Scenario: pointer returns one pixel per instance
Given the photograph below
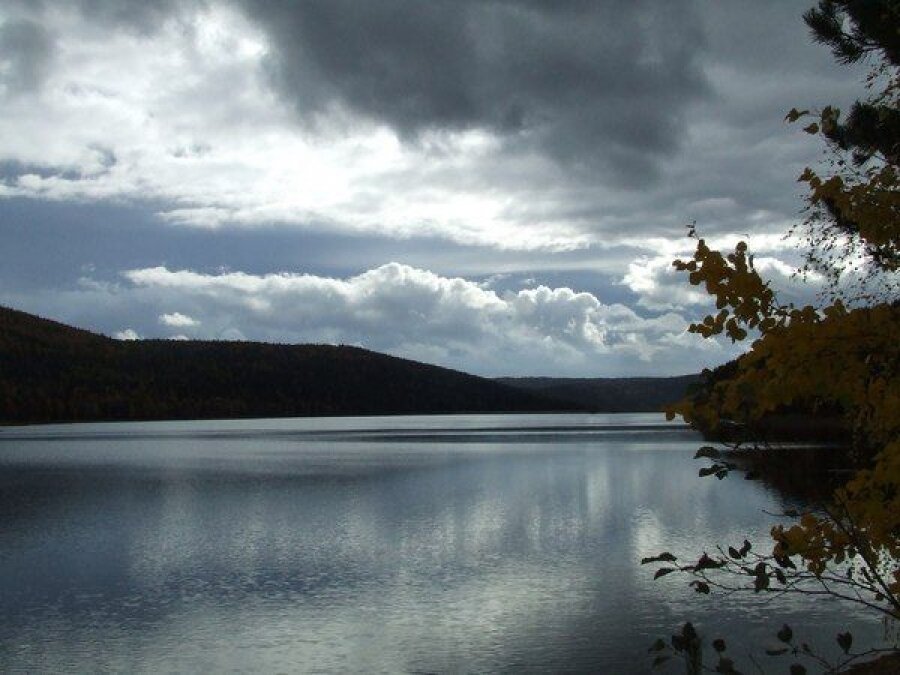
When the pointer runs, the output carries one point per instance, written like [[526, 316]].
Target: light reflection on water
[[419, 544]]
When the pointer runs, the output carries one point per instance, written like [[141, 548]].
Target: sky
[[496, 186]]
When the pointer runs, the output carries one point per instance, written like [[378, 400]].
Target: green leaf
[[794, 115], [663, 571], [657, 646], [707, 451], [785, 634], [688, 631], [701, 587], [734, 553], [707, 563], [786, 562], [845, 640]]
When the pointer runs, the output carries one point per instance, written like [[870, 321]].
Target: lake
[[467, 543]]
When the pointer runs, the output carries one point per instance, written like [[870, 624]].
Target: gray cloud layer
[[418, 314], [575, 100], [26, 49], [604, 84], [561, 140]]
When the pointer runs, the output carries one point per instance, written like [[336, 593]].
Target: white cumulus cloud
[[659, 286], [127, 334], [454, 322], [178, 320]]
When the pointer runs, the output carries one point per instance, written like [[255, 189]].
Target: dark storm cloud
[[26, 50], [596, 83]]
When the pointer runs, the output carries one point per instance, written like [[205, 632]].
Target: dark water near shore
[[406, 544]]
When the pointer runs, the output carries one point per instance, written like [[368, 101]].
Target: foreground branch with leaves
[[842, 357], [688, 646]]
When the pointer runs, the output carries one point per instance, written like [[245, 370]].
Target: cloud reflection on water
[[347, 555]]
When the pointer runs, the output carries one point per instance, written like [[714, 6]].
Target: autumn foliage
[[842, 356]]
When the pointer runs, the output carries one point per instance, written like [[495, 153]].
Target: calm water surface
[[472, 543]]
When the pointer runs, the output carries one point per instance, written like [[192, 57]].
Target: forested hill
[[614, 394], [50, 371]]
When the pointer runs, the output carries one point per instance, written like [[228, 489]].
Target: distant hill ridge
[[610, 394], [53, 372]]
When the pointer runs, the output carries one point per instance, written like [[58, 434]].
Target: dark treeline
[[806, 419], [53, 372], [610, 394]]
